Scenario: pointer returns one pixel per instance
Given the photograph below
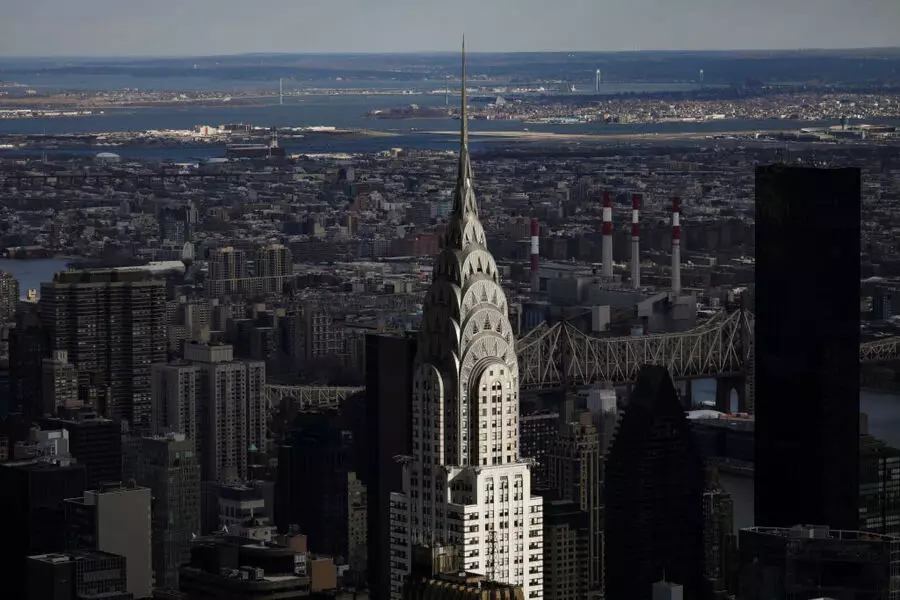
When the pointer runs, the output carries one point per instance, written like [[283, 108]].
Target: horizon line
[[9, 57]]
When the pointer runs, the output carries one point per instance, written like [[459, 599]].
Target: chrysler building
[[465, 485]]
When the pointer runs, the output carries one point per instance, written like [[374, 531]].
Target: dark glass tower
[[95, 442], [32, 501], [312, 481], [388, 412], [654, 484], [807, 347]]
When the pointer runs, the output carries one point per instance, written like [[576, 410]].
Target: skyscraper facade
[[9, 297], [170, 468], [59, 384], [111, 323], [654, 484], [575, 467], [174, 391], [217, 402], [32, 502], [385, 433], [115, 519], [29, 345], [94, 442], [807, 347], [312, 483], [465, 484]]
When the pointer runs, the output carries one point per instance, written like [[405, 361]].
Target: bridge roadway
[[550, 356]]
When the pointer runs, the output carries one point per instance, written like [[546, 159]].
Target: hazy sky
[[198, 27]]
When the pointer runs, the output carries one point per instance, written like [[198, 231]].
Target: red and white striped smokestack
[[635, 242], [535, 248], [676, 247], [607, 235]]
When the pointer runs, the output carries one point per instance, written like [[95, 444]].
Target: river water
[[882, 409]]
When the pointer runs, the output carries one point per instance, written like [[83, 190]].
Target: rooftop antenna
[[463, 115]]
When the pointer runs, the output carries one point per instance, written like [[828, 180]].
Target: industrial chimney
[[607, 236], [535, 235], [676, 248], [635, 242]]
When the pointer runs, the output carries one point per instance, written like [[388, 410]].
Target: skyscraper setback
[[465, 484], [807, 347]]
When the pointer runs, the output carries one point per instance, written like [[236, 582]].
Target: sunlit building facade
[[465, 484]]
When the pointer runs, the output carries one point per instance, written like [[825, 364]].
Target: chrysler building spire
[[463, 227], [464, 196], [465, 484]]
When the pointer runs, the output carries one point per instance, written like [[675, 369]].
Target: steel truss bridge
[[308, 396], [553, 356]]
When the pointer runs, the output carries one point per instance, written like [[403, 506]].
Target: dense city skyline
[[261, 348], [106, 28]]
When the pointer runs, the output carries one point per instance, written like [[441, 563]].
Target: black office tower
[[654, 484], [312, 482], [29, 345], [389, 378], [807, 347], [95, 442], [31, 501]]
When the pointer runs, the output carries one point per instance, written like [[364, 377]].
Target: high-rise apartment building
[[465, 484], [112, 323], [170, 468], [59, 384], [274, 260], [115, 519], [232, 271], [653, 486], [807, 374], [312, 486], [231, 410], [228, 263], [219, 400], [9, 297], [575, 475], [174, 392]]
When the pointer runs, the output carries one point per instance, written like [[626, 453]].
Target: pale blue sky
[[198, 27]]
